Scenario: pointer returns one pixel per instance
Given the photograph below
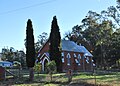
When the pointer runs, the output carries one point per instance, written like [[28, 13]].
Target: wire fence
[[101, 77]]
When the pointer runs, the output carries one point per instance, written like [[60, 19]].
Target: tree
[[30, 49], [118, 1], [51, 68], [9, 54], [55, 39], [96, 31], [42, 38], [38, 68], [77, 36]]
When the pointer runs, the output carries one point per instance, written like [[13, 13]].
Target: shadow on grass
[[25, 81], [58, 80]]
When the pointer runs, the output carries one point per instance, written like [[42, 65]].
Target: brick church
[[74, 57]]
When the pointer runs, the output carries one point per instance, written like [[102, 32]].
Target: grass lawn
[[79, 79], [112, 79]]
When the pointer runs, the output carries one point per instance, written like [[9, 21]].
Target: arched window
[[62, 60], [68, 59], [62, 54], [87, 59], [79, 57]]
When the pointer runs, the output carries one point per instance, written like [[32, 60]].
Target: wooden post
[[94, 75], [69, 74]]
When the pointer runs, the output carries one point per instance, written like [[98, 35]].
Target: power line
[[23, 8]]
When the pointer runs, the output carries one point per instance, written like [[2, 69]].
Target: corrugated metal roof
[[68, 45], [86, 52]]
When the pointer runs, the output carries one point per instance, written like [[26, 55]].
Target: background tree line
[[100, 34], [11, 54]]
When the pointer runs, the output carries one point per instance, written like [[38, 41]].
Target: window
[[92, 60], [79, 57], [68, 59], [76, 61], [75, 55], [94, 65], [62, 54], [62, 60], [87, 59]]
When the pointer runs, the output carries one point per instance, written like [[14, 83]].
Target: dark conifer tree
[[55, 39], [30, 49]]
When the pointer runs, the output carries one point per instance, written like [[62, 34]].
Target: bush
[[51, 68]]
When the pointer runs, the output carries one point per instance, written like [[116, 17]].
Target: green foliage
[[10, 54], [30, 49], [100, 33], [51, 67], [42, 38], [16, 64], [37, 67]]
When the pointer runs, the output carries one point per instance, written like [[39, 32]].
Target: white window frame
[[74, 55], [62, 54], [63, 60], [68, 59], [79, 58]]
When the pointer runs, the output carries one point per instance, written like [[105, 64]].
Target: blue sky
[[15, 13]]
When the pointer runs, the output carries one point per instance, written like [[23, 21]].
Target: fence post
[[94, 72], [69, 74]]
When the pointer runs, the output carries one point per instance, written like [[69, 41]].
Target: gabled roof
[[86, 52], [68, 45]]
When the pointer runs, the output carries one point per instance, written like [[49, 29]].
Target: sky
[[15, 13]]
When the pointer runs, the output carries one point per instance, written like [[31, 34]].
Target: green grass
[[112, 79]]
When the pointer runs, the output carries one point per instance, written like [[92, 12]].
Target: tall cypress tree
[[55, 39], [30, 49]]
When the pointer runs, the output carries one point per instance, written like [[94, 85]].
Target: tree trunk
[[31, 74]]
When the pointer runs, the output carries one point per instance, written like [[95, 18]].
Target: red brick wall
[[75, 67], [88, 66], [45, 48]]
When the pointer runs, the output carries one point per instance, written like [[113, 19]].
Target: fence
[[110, 78]]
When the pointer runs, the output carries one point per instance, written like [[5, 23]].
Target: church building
[[74, 57]]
